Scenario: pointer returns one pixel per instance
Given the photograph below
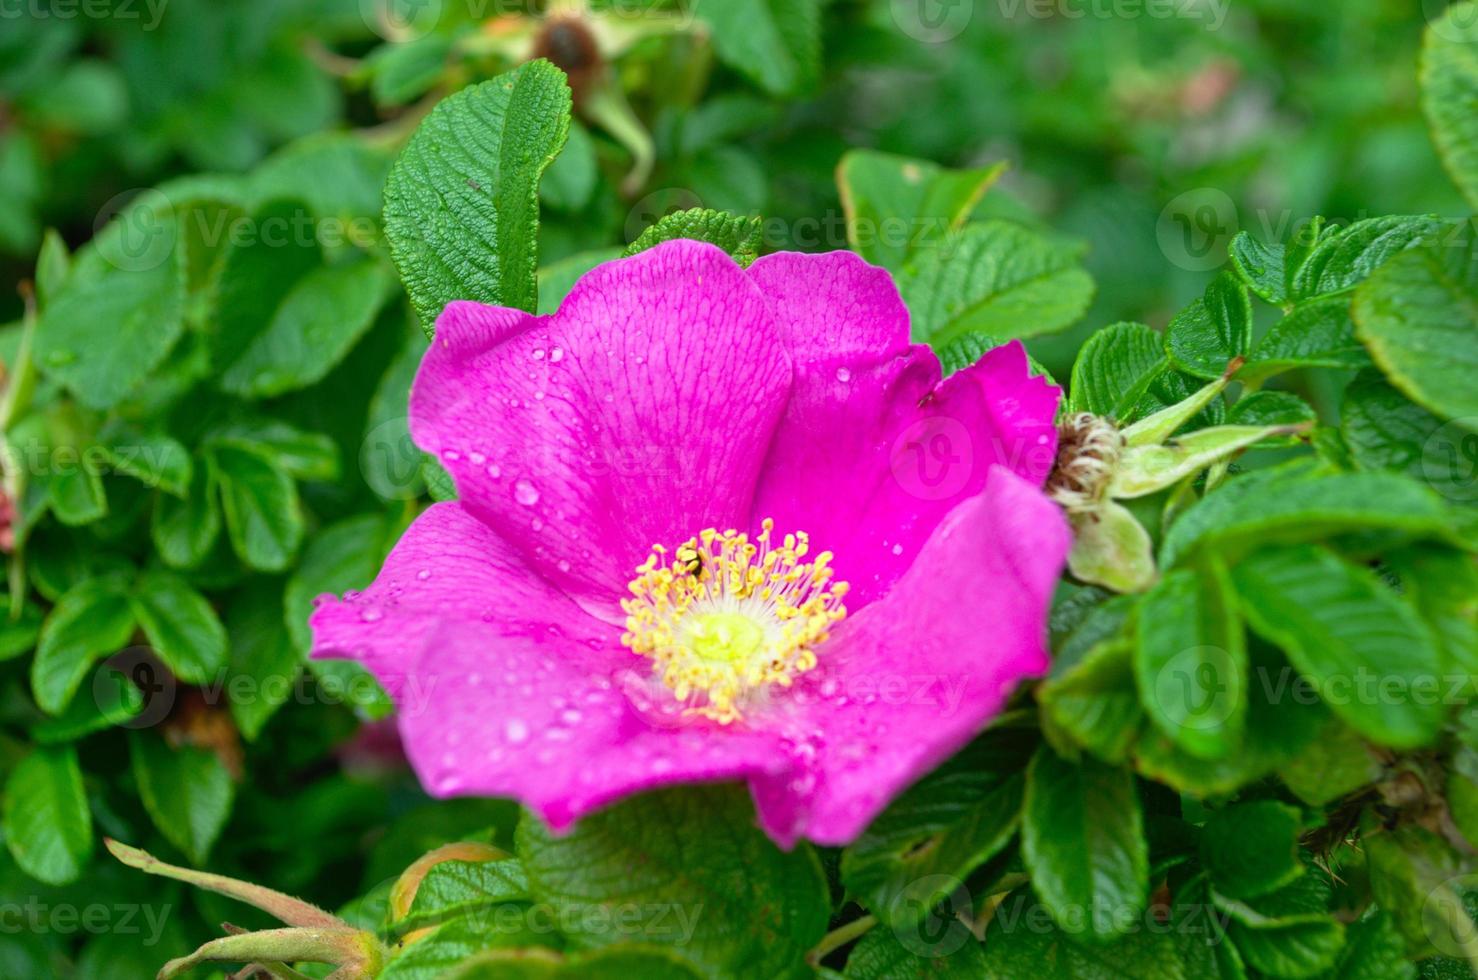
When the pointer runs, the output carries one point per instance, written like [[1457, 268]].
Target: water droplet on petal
[[525, 493], [570, 716], [494, 471], [563, 565], [538, 354], [476, 459], [556, 354], [844, 375], [516, 731], [451, 455], [423, 574], [898, 549], [371, 614]]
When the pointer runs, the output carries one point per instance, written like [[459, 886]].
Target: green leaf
[[1270, 408], [1412, 874], [263, 516], [258, 271], [1082, 836], [1111, 548], [1416, 315], [997, 278], [1373, 951], [739, 235], [1251, 849], [616, 963], [1092, 703], [697, 853], [776, 43], [48, 826], [1190, 661], [323, 316], [115, 699], [181, 626], [570, 180], [882, 956], [405, 70], [455, 888], [131, 277], [1288, 933], [1263, 266], [76, 493], [184, 531], [1281, 721], [897, 206], [1205, 336], [1386, 431], [473, 941], [94, 619], [1019, 944], [1344, 257], [1317, 333], [462, 201], [301, 455], [388, 460], [1371, 658], [1113, 369], [927, 842], [558, 278], [1335, 763], [1449, 76], [187, 792], [1301, 502], [53, 266], [153, 458], [263, 656], [19, 631]]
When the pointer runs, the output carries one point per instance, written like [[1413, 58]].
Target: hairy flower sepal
[[1099, 463], [313, 935]]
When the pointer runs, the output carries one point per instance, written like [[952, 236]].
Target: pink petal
[[906, 682], [638, 414], [874, 449], [448, 565], [525, 717]]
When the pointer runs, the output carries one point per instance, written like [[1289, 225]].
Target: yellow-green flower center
[[725, 617]]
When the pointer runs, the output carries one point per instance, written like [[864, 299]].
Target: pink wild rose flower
[[714, 524]]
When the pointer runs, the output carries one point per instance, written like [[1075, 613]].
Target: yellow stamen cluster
[[723, 616]]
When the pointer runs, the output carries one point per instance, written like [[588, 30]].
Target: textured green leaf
[[1372, 658], [1092, 703], [454, 888], [1190, 661], [1082, 836], [1114, 368], [882, 956], [131, 278], [1412, 872], [462, 202], [696, 853], [92, 620], [1270, 408], [1251, 849], [616, 963], [1418, 315], [1019, 944], [1317, 333], [260, 502], [181, 626], [1300, 502], [1344, 257], [776, 43], [258, 271], [187, 792], [1288, 933], [1373, 951], [896, 206], [1384, 430], [1449, 74], [301, 455], [184, 531], [925, 844], [1336, 762], [326, 312], [1206, 335], [736, 234], [153, 458], [997, 278], [47, 824]]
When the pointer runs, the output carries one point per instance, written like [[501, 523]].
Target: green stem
[[839, 937]]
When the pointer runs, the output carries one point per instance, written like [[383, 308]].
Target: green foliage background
[[205, 430]]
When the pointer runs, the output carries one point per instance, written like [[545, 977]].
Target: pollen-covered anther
[[1088, 450], [724, 617]]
